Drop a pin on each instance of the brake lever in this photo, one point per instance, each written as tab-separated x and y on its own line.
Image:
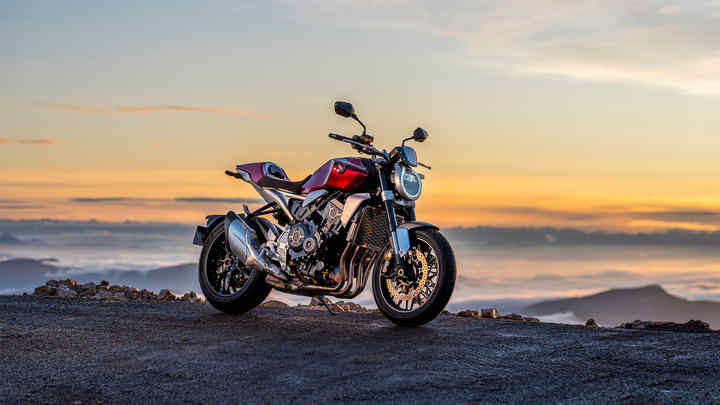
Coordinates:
424	165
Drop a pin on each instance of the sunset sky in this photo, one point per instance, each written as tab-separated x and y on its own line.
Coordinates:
585	114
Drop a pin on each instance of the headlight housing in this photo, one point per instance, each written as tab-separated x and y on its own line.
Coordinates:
407	182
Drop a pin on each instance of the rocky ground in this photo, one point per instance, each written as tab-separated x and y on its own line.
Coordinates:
66	350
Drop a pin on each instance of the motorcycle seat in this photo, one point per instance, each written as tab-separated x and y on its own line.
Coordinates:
287	185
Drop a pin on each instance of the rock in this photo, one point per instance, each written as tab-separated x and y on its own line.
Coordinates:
512	317
87	286
131	293
116	288
591	324
44	291
105	283
274	304
468	313
167	295
193	297
491	313
342	306
531	319
89	292
63	291
147	295
69	283
692	326
103	294
52	283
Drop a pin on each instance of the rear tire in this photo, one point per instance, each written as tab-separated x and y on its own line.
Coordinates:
442	277
238	298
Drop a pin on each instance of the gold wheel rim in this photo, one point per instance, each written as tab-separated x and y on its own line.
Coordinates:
420	261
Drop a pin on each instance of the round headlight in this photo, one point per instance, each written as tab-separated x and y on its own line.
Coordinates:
407	182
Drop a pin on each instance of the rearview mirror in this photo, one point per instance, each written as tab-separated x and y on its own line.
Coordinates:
344	109
420	135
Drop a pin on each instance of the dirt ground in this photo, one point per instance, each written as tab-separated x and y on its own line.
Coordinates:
55	350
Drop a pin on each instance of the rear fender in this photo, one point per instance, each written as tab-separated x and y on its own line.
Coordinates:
201	232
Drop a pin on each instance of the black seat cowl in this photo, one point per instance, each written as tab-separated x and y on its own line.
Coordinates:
287	185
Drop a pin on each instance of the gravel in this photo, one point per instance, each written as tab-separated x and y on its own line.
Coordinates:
58	350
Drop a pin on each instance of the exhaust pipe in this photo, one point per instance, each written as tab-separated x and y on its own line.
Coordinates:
243	242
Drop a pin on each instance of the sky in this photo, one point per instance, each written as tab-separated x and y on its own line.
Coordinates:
596	115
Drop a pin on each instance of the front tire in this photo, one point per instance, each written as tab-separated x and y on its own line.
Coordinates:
229	285
416	300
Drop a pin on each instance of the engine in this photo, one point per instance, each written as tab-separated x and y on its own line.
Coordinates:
307	244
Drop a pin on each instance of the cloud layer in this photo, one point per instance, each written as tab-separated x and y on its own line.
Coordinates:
16	141
668	44
241	112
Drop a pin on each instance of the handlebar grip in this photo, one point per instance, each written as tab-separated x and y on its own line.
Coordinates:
233	174
336	136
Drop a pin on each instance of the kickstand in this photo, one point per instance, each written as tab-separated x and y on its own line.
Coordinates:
322	299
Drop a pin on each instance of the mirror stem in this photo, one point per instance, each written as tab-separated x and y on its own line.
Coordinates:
360	122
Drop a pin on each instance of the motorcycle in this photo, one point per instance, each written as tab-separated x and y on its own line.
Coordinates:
352	219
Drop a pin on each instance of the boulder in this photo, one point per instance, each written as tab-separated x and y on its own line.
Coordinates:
468	313
167	295
274	304
147	295
692	326
103	294
52	283
88	292
44	291
69	283
131	293
591	324
87	286
63	291
105	283
193	297
342	306
491	313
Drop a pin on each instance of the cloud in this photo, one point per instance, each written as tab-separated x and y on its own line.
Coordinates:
656	43
218	200
29	141
241	112
103	200
19	206
528	237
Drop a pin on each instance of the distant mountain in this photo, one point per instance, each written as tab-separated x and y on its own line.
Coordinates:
615	306
21	273
26	274
179	278
6	238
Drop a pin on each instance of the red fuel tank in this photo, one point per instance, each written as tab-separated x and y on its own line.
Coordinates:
345	174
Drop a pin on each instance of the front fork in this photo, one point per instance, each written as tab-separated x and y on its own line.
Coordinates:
400	236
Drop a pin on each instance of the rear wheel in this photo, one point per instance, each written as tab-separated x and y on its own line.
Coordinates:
416	294
227	283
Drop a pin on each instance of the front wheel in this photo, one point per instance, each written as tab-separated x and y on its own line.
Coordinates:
416	294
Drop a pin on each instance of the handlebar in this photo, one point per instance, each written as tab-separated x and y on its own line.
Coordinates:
362	147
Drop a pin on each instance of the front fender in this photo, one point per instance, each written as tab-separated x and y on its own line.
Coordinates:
202	231
416	225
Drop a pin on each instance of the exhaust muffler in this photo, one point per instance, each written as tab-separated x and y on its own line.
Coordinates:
243	242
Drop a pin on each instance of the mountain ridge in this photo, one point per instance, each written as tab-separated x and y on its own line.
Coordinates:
614	306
